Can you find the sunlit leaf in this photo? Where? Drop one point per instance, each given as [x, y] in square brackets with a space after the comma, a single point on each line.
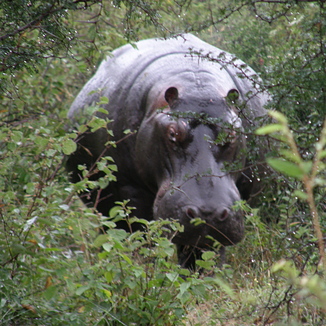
[269, 129]
[172, 276]
[289, 155]
[300, 194]
[103, 100]
[126, 258]
[69, 146]
[286, 167]
[109, 276]
[82, 289]
[280, 117]
[107, 293]
[107, 247]
[207, 255]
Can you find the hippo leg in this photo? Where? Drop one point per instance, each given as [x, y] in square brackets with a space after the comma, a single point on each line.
[187, 256]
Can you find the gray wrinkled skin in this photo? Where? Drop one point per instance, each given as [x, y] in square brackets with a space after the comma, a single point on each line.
[173, 167]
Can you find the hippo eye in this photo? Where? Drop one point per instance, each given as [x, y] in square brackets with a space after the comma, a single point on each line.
[177, 132]
[173, 134]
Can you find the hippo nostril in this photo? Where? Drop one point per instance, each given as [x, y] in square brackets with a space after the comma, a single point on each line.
[192, 212]
[224, 215]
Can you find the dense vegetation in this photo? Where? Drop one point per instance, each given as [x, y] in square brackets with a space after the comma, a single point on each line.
[55, 267]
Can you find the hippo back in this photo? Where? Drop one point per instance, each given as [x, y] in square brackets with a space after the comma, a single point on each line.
[126, 75]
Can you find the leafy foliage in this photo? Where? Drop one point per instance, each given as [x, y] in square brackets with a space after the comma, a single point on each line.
[53, 272]
[57, 270]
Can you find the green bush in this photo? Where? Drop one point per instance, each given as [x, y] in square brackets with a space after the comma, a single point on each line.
[53, 271]
[55, 267]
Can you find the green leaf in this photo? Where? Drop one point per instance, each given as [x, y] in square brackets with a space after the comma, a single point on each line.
[30, 222]
[113, 167]
[197, 221]
[82, 289]
[307, 166]
[116, 211]
[97, 123]
[109, 276]
[107, 293]
[300, 194]
[289, 155]
[319, 182]
[2, 302]
[64, 207]
[280, 117]
[100, 240]
[103, 100]
[50, 292]
[102, 110]
[205, 264]
[82, 128]
[279, 265]
[126, 258]
[107, 247]
[69, 146]
[41, 143]
[207, 255]
[286, 167]
[269, 129]
[103, 183]
[17, 136]
[172, 276]
[184, 288]
[17, 249]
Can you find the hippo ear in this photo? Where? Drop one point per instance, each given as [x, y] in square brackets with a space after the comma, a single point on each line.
[233, 96]
[171, 95]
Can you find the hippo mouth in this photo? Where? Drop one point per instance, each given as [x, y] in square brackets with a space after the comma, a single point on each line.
[204, 210]
[202, 229]
[205, 233]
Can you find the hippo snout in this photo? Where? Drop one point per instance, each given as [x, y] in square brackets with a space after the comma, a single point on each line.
[220, 221]
[191, 212]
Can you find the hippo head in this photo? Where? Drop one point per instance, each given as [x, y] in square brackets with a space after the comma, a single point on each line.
[183, 153]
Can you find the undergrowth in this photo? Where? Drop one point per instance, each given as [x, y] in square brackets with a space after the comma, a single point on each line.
[58, 270]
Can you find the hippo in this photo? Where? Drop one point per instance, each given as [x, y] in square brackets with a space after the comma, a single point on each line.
[187, 105]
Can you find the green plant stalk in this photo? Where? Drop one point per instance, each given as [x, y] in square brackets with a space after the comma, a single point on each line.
[308, 183]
